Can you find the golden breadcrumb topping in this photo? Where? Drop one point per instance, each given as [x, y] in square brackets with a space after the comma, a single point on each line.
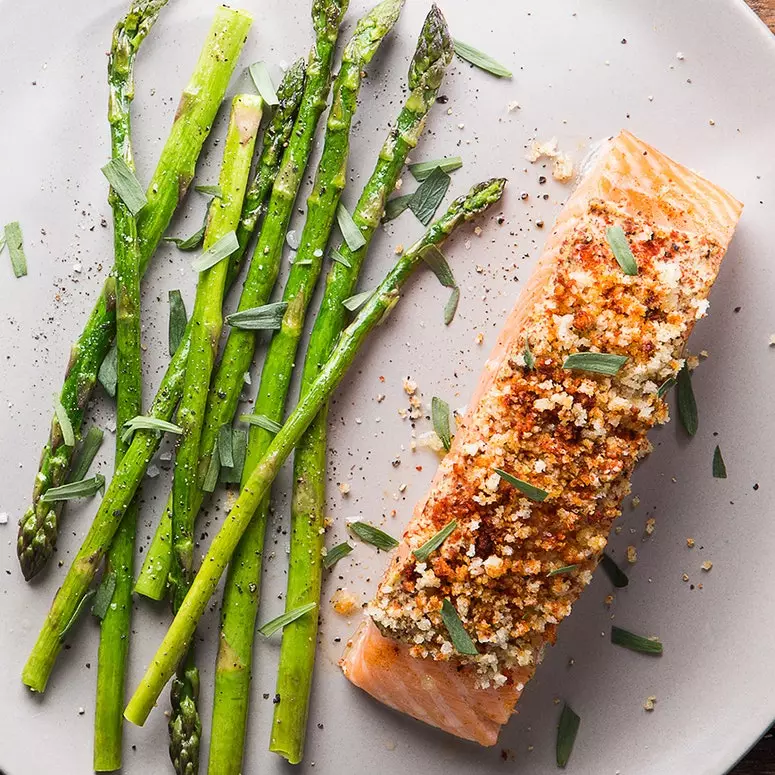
[576, 435]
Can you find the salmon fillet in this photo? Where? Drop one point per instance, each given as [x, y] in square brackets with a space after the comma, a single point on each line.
[515, 563]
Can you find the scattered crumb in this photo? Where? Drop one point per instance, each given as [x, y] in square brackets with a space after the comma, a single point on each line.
[562, 165]
[344, 602]
[707, 565]
[772, 340]
[635, 501]
[3, 518]
[380, 397]
[651, 525]
[632, 554]
[609, 600]
[344, 488]
[512, 106]
[690, 543]
[650, 703]
[399, 249]
[685, 577]
[410, 387]
[430, 440]
[478, 231]
[479, 338]
[680, 55]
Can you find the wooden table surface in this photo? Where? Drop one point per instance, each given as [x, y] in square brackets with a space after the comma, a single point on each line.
[761, 760]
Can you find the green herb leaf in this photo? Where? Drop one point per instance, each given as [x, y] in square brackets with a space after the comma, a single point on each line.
[15, 242]
[84, 488]
[263, 83]
[239, 445]
[262, 421]
[104, 595]
[441, 424]
[64, 422]
[373, 535]
[268, 317]
[395, 206]
[88, 450]
[108, 373]
[564, 569]
[461, 640]
[615, 574]
[194, 242]
[340, 259]
[335, 553]
[530, 361]
[599, 363]
[141, 422]
[423, 169]
[350, 231]
[527, 489]
[687, 404]
[429, 195]
[271, 627]
[82, 604]
[178, 320]
[2, 241]
[719, 467]
[665, 386]
[125, 183]
[629, 640]
[213, 191]
[567, 730]
[481, 60]
[225, 453]
[438, 263]
[354, 303]
[620, 247]
[450, 308]
[435, 541]
[219, 250]
[213, 469]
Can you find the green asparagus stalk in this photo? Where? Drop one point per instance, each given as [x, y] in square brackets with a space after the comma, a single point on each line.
[241, 594]
[176, 641]
[198, 105]
[206, 323]
[115, 503]
[128, 34]
[153, 577]
[297, 653]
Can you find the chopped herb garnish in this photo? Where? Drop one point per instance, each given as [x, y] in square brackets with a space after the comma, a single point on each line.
[262, 421]
[263, 83]
[450, 308]
[435, 541]
[340, 259]
[620, 246]
[461, 640]
[125, 183]
[530, 361]
[239, 445]
[15, 242]
[64, 423]
[84, 488]
[83, 603]
[567, 730]
[429, 195]
[194, 242]
[438, 263]
[225, 451]
[629, 640]
[213, 469]
[441, 424]
[615, 574]
[220, 249]
[665, 386]
[271, 627]
[423, 169]
[481, 60]
[354, 303]
[719, 467]
[214, 191]
[108, 373]
[564, 569]
[350, 231]
[335, 553]
[527, 489]
[268, 317]
[178, 320]
[599, 363]
[141, 422]
[89, 448]
[395, 206]
[104, 595]
[687, 404]
[373, 535]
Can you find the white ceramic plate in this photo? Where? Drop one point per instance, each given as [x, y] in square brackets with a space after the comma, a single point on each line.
[575, 78]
